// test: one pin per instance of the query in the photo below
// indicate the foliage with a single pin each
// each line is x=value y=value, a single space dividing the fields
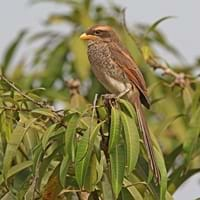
x=92 y=148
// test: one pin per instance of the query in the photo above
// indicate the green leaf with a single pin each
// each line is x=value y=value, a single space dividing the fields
x=48 y=133
x=82 y=158
x=133 y=190
x=125 y=195
x=193 y=134
x=155 y=24
x=91 y=176
x=161 y=165
x=127 y=108
x=44 y=111
x=100 y=167
x=55 y=62
x=45 y=163
x=195 y=100
x=6 y=126
x=82 y=161
x=106 y=187
x=166 y=123
x=169 y=196
x=170 y=158
x=83 y=154
x=132 y=141
x=31 y=139
x=70 y=136
x=8 y=196
x=38 y=154
x=117 y=167
x=179 y=176
x=63 y=169
x=187 y=96
x=13 y=144
x=11 y=50
x=16 y=169
x=81 y=64
x=115 y=128
x=55 y=19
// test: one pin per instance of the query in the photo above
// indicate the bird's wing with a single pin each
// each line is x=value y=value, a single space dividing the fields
x=122 y=57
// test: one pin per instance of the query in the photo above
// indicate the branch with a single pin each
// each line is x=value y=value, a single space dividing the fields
x=181 y=79
x=14 y=87
x=41 y=104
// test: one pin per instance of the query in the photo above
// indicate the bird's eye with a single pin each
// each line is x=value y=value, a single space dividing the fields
x=97 y=32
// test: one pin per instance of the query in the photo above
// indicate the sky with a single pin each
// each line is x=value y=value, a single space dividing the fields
x=183 y=32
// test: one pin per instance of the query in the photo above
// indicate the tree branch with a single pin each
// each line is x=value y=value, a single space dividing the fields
x=41 y=104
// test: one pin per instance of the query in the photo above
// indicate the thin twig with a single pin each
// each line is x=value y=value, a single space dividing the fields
x=70 y=190
x=93 y=112
x=12 y=85
x=180 y=79
x=14 y=108
x=41 y=104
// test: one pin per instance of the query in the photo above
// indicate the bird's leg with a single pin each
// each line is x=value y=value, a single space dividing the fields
x=114 y=96
x=123 y=93
x=111 y=98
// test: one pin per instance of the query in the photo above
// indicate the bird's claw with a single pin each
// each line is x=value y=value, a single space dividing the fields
x=109 y=99
x=109 y=96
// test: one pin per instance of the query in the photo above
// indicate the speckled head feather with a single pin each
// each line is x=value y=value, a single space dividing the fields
x=104 y=32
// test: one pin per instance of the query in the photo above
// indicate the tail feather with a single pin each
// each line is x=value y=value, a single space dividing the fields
x=147 y=139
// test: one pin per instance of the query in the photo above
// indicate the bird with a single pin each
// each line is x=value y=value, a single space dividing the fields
x=118 y=72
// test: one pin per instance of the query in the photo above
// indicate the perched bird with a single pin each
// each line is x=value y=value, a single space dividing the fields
x=117 y=71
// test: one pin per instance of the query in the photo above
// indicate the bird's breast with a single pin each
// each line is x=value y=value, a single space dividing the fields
x=105 y=69
x=99 y=55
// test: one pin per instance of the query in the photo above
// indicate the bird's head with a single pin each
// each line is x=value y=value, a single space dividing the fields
x=100 y=33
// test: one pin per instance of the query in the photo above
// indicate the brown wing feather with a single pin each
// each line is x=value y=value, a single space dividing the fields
x=131 y=69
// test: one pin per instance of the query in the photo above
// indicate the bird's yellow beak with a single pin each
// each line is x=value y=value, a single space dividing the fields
x=84 y=36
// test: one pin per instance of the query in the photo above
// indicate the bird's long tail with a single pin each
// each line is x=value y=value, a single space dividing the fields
x=146 y=137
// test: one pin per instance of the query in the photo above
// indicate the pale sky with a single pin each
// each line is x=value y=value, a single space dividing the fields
x=183 y=32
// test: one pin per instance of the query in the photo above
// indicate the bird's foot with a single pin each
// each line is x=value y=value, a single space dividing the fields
x=109 y=99
x=109 y=96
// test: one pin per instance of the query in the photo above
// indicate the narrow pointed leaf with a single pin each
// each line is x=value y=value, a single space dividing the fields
x=13 y=144
x=166 y=123
x=83 y=154
x=132 y=141
x=91 y=176
x=192 y=139
x=11 y=50
x=114 y=128
x=47 y=135
x=70 y=136
x=63 y=169
x=155 y=24
x=16 y=169
x=44 y=111
x=161 y=165
x=106 y=187
x=133 y=190
x=117 y=161
x=127 y=107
